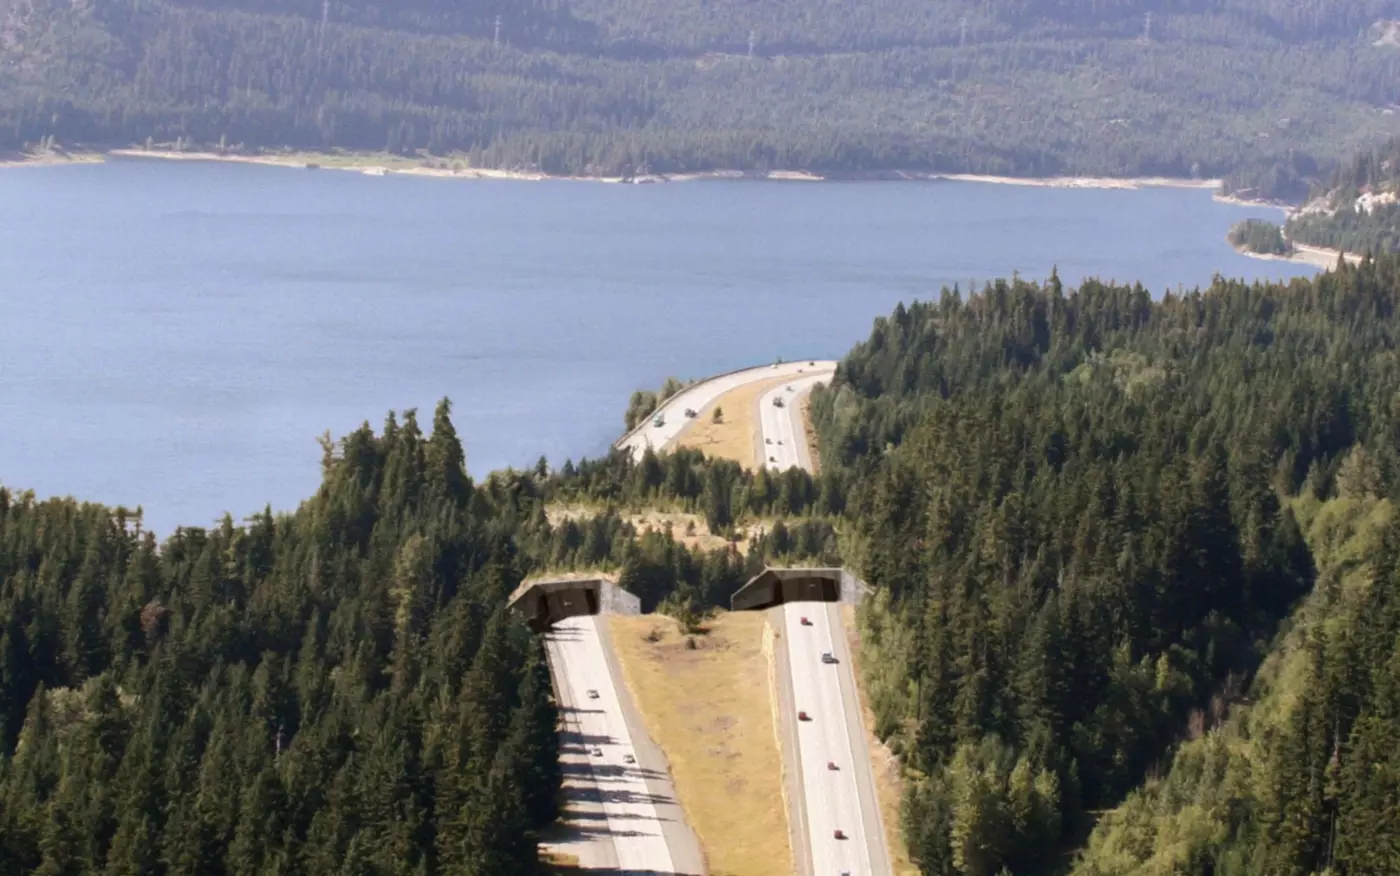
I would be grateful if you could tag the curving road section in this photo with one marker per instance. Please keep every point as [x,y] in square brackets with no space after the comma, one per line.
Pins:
[831,786]
[704,393]
[626,811]
[783,433]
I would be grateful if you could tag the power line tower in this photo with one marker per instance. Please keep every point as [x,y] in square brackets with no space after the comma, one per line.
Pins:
[753,41]
[1147,28]
[962,34]
[325,18]
[496,40]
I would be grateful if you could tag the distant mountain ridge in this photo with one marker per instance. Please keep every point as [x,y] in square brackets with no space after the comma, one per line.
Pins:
[1267,91]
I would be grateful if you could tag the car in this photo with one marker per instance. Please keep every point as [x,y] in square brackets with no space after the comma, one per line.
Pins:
[811,363]
[772,459]
[839,833]
[828,657]
[690,412]
[767,440]
[597,752]
[831,764]
[778,402]
[629,758]
[803,716]
[806,622]
[593,695]
[789,387]
[780,441]
[658,421]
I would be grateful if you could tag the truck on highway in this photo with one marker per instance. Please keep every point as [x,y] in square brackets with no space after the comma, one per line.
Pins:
[778,402]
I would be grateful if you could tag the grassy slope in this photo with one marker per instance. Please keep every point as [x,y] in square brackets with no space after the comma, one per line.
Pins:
[709,709]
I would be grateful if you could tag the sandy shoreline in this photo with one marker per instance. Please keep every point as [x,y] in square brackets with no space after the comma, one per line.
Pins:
[1303,254]
[48,159]
[459,168]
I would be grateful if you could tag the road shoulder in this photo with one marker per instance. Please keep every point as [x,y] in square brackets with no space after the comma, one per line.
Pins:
[786,720]
[685,849]
[876,837]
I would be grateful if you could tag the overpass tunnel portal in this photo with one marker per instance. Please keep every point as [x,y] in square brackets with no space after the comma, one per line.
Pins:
[546,601]
[779,586]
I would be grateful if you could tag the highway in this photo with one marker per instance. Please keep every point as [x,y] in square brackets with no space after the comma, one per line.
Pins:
[821,800]
[700,395]
[783,426]
[626,812]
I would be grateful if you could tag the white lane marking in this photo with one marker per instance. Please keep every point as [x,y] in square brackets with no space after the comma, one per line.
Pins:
[819,821]
[852,808]
[634,824]
[701,395]
[780,424]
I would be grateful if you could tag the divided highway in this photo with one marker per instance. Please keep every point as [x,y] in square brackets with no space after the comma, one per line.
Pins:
[622,799]
[705,392]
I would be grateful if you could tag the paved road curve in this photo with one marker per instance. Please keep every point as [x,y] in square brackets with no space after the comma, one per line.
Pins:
[703,393]
[627,811]
[783,433]
[823,800]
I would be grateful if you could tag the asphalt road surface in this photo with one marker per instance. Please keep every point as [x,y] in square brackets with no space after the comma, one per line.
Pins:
[627,812]
[703,393]
[823,800]
[840,799]
[783,433]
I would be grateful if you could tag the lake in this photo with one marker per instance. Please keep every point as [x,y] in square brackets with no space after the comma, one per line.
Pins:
[176,335]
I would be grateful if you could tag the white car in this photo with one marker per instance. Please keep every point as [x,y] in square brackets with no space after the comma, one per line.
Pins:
[593,695]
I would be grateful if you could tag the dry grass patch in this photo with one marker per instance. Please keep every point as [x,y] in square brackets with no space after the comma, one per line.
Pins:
[686,528]
[560,863]
[736,436]
[708,707]
[889,783]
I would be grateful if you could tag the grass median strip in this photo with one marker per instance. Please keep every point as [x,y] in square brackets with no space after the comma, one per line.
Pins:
[736,434]
[708,707]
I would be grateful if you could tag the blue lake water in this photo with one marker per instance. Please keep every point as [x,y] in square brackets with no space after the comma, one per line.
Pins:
[176,335]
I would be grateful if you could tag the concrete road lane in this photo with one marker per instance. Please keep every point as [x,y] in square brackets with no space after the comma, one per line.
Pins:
[831,796]
[783,433]
[628,833]
[703,393]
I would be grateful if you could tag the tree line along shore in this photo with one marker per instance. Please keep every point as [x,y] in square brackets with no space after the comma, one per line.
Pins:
[1132,564]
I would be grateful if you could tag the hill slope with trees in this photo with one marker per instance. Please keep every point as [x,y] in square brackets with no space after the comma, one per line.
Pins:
[1265,90]
[339,690]
[1080,514]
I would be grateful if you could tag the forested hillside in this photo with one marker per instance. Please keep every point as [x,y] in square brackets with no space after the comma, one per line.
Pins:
[1084,518]
[1267,91]
[1356,210]
[335,691]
